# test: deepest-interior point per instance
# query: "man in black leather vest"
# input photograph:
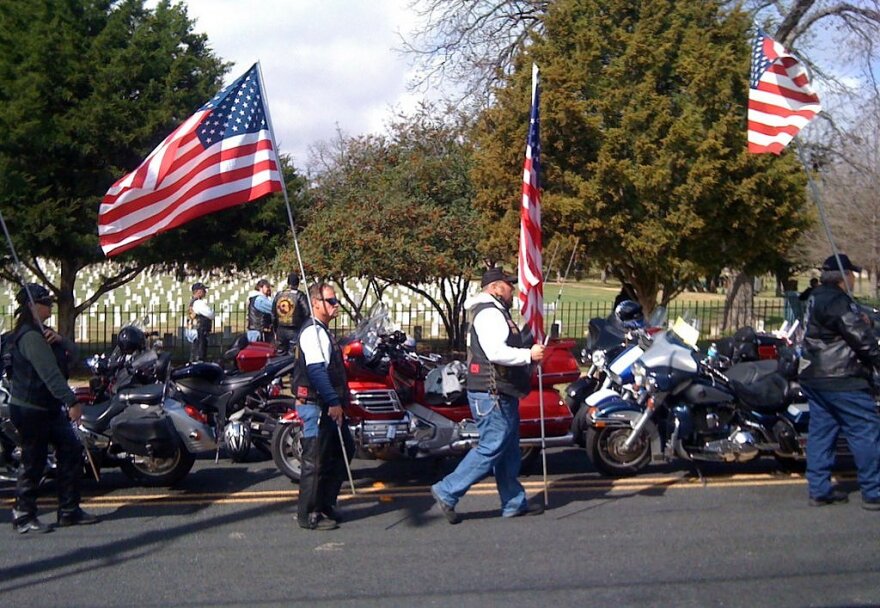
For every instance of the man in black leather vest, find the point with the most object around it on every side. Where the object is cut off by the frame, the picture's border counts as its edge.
(321, 391)
(201, 318)
(840, 356)
(38, 409)
(499, 373)
(290, 309)
(259, 312)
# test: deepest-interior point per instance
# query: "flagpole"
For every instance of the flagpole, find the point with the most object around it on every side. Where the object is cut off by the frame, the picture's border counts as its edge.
(817, 198)
(302, 269)
(17, 262)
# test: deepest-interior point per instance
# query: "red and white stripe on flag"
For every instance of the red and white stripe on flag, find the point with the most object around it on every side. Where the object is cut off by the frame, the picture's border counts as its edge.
(220, 157)
(531, 279)
(781, 100)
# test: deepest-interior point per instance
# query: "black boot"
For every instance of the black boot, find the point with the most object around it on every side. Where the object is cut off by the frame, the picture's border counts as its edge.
(308, 482)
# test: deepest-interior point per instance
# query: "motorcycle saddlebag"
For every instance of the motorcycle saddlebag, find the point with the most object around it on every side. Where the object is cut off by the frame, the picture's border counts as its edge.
(146, 436)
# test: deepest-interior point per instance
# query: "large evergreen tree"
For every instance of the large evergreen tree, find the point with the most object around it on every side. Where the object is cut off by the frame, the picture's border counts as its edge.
(643, 125)
(87, 89)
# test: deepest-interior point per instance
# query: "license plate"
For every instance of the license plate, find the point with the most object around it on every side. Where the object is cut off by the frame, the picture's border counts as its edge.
(391, 433)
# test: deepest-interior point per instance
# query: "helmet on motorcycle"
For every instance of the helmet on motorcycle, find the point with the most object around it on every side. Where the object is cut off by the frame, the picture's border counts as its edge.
(630, 314)
(131, 339)
(237, 436)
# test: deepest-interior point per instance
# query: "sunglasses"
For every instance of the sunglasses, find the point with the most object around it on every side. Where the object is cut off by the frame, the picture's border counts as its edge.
(332, 301)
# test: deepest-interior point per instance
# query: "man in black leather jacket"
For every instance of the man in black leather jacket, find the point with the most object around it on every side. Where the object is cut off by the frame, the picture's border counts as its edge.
(839, 359)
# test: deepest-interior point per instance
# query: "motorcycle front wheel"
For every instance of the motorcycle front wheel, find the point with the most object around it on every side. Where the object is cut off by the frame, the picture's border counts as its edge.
(155, 472)
(606, 451)
(287, 450)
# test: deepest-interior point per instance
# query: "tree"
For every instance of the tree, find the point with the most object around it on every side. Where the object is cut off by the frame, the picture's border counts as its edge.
(87, 89)
(644, 145)
(399, 210)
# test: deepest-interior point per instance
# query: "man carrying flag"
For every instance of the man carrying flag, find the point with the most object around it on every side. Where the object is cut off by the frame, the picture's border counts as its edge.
(222, 156)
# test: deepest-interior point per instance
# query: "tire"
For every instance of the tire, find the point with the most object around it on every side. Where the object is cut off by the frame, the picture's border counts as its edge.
(155, 472)
(287, 450)
(529, 457)
(605, 450)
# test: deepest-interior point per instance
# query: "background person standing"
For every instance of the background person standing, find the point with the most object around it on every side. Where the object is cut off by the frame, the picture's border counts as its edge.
(499, 373)
(259, 312)
(290, 308)
(38, 406)
(839, 360)
(201, 320)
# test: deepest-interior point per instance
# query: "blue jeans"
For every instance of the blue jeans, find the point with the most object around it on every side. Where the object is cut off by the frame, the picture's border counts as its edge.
(852, 412)
(497, 453)
(310, 414)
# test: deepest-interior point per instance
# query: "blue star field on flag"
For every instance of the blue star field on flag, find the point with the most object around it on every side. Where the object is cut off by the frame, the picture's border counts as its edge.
(236, 110)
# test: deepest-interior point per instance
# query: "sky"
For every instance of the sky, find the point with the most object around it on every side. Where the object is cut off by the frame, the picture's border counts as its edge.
(325, 63)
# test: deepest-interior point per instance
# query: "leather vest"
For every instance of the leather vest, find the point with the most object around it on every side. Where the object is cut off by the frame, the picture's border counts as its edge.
(257, 320)
(198, 322)
(289, 308)
(302, 387)
(27, 386)
(514, 381)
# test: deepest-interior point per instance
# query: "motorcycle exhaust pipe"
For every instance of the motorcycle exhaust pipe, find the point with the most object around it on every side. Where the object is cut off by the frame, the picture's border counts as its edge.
(551, 442)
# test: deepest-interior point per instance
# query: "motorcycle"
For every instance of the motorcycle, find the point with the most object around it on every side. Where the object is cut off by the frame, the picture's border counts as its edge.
(407, 404)
(242, 407)
(683, 406)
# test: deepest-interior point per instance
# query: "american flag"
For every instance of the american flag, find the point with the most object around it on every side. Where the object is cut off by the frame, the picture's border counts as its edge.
(781, 101)
(531, 279)
(220, 157)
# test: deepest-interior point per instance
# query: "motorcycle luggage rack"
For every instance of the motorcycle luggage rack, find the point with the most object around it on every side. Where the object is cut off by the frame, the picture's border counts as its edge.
(377, 401)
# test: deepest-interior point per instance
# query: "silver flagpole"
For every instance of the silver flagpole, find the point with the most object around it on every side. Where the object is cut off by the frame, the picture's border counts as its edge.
(817, 198)
(302, 269)
(30, 298)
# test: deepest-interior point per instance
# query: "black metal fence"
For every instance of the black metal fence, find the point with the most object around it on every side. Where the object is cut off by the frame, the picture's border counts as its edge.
(96, 328)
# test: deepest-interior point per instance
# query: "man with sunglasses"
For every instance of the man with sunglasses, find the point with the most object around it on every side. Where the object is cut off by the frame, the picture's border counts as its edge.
(321, 390)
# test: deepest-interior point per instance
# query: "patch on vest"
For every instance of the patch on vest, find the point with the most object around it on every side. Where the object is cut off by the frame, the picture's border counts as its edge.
(284, 308)
(475, 368)
(302, 392)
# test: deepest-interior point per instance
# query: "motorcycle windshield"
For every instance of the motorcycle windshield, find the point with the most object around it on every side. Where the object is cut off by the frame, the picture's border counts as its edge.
(376, 323)
(668, 361)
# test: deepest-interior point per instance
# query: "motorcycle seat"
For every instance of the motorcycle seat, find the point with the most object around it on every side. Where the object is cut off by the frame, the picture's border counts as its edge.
(97, 417)
(759, 385)
(272, 369)
(150, 394)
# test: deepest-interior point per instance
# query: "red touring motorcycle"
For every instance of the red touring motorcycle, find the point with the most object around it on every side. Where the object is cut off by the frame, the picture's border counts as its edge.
(406, 404)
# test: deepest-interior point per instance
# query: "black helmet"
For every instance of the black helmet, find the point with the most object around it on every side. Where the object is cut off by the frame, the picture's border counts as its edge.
(630, 314)
(39, 294)
(131, 339)
(293, 280)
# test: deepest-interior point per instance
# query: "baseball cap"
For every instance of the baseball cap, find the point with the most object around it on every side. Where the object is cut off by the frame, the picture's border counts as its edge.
(199, 286)
(830, 263)
(497, 274)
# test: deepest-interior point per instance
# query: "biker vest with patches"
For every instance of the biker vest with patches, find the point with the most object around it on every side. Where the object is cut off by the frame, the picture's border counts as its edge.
(257, 320)
(288, 308)
(27, 387)
(302, 387)
(508, 380)
(198, 322)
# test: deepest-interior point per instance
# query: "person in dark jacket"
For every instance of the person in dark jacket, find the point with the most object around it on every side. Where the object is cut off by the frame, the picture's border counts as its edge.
(321, 390)
(38, 406)
(259, 312)
(290, 309)
(499, 373)
(840, 355)
(201, 318)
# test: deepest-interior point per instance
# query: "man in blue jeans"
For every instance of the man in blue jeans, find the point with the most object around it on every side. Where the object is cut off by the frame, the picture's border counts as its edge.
(840, 356)
(499, 374)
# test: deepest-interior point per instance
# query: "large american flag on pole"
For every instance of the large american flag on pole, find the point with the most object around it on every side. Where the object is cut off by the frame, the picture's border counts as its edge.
(781, 100)
(531, 278)
(220, 157)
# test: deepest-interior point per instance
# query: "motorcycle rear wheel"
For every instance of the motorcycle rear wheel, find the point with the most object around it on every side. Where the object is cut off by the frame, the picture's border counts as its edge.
(605, 450)
(287, 450)
(156, 472)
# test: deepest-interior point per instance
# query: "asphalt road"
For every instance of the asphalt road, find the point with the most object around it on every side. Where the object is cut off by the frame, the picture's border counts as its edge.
(744, 535)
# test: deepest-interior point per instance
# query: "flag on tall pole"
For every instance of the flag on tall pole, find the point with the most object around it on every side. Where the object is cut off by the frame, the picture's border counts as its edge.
(781, 100)
(531, 278)
(221, 156)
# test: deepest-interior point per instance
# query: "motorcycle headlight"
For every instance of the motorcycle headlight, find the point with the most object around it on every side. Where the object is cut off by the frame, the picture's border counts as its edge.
(598, 358)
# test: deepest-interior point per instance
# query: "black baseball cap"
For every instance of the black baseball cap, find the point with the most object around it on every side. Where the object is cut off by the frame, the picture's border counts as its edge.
(830, 264)
(497, 274)
(199, 286)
